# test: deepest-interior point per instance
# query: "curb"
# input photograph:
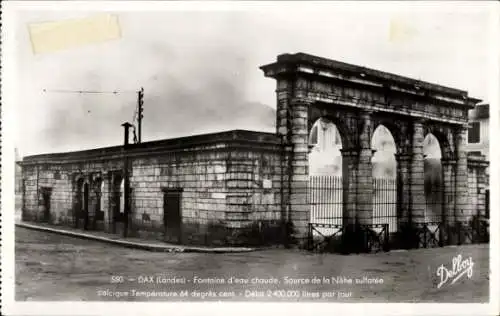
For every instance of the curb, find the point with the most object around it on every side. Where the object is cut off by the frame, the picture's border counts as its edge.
(136, 245)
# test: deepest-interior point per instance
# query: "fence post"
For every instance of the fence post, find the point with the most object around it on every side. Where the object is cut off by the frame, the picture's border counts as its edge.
(459, 232)
(441, 234)
(310, 238)
(386, 237)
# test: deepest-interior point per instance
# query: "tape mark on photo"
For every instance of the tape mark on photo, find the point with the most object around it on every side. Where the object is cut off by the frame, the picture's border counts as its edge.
(55, 36)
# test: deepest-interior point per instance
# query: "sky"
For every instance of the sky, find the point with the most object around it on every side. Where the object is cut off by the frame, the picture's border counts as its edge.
(200, 69)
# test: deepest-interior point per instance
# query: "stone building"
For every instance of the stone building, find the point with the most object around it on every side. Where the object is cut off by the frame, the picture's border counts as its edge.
(221, 188)
(242, 187)
(478, 140)
(478, 146)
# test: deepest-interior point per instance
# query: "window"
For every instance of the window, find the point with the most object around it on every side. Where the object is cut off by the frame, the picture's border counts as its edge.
(474, 134)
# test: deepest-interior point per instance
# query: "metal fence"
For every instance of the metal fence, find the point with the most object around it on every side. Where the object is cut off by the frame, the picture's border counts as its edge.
(326, 219)
(326, 199)
(385, 203)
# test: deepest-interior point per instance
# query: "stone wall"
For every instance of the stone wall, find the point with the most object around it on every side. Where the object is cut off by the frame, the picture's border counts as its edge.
(477, 184)
(358, 99)
(229, 186)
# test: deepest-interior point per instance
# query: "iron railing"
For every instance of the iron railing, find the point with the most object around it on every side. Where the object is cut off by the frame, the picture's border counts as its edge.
(385, 203)
(326, 199)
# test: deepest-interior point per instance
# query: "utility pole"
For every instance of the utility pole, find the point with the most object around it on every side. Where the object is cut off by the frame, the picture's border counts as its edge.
(126, 182)
(140, 102)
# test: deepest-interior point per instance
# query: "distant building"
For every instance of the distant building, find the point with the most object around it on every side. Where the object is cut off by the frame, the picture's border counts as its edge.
(478, 136)
(478, 144)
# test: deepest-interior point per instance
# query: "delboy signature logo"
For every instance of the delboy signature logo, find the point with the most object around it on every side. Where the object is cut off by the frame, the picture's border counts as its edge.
(459, 268)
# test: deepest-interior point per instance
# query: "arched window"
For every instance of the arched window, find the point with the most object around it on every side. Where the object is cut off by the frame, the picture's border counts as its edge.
(122, 197)
(101, 197)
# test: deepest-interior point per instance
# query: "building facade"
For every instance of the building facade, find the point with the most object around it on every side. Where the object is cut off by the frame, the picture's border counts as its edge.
(478, 139)
(219, 188)
(479, 150)
(242, 187)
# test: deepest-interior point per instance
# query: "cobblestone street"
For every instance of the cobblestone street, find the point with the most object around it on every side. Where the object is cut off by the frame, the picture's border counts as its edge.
(54, 267)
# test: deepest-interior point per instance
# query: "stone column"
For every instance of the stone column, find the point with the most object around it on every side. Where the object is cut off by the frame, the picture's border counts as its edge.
(299, 173)
(462, 210)
(349, 178)
(365, 177)
(472, 188)
(449, 165)
(481, 184)
(283, 126)
(417, 193)
(282, 113)
(106, 205)
(403, 188)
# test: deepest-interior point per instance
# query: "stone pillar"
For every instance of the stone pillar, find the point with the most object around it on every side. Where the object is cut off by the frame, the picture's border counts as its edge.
(299, 173)
(349, 178)
(106, 205)
(448, 165)
(462, 210)
(364, 186)
(417, 192)
(472, 188)
(283, 126)
(403, 189)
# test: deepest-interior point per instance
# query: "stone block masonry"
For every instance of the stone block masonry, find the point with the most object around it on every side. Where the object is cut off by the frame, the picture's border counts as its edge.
(357, 100)
(228, 190)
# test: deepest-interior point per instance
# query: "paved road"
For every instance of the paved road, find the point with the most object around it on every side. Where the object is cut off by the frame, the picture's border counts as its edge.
(54, 267)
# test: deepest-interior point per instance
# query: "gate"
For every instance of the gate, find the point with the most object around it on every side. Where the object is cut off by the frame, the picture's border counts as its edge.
(326, 219)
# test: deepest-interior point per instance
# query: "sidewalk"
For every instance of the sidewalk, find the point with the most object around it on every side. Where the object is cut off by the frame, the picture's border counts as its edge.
(136, 243)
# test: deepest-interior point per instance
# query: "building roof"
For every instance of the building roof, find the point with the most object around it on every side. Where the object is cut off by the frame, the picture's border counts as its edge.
(287, 63)
(173, 144)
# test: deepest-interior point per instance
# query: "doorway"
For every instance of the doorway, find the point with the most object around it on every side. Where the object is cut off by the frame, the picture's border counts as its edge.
(46, 195)
(172, 215)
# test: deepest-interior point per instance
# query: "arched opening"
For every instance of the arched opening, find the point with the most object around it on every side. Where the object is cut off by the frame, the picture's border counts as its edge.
(384, 173)
(101, 198)
(116, 202)
(325, 175)
(99, 202)
(433, 180)
(85, 198)
(78, 202)
(325, 144)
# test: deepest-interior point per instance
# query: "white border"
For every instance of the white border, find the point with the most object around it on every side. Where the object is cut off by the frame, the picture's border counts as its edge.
(10, 307)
